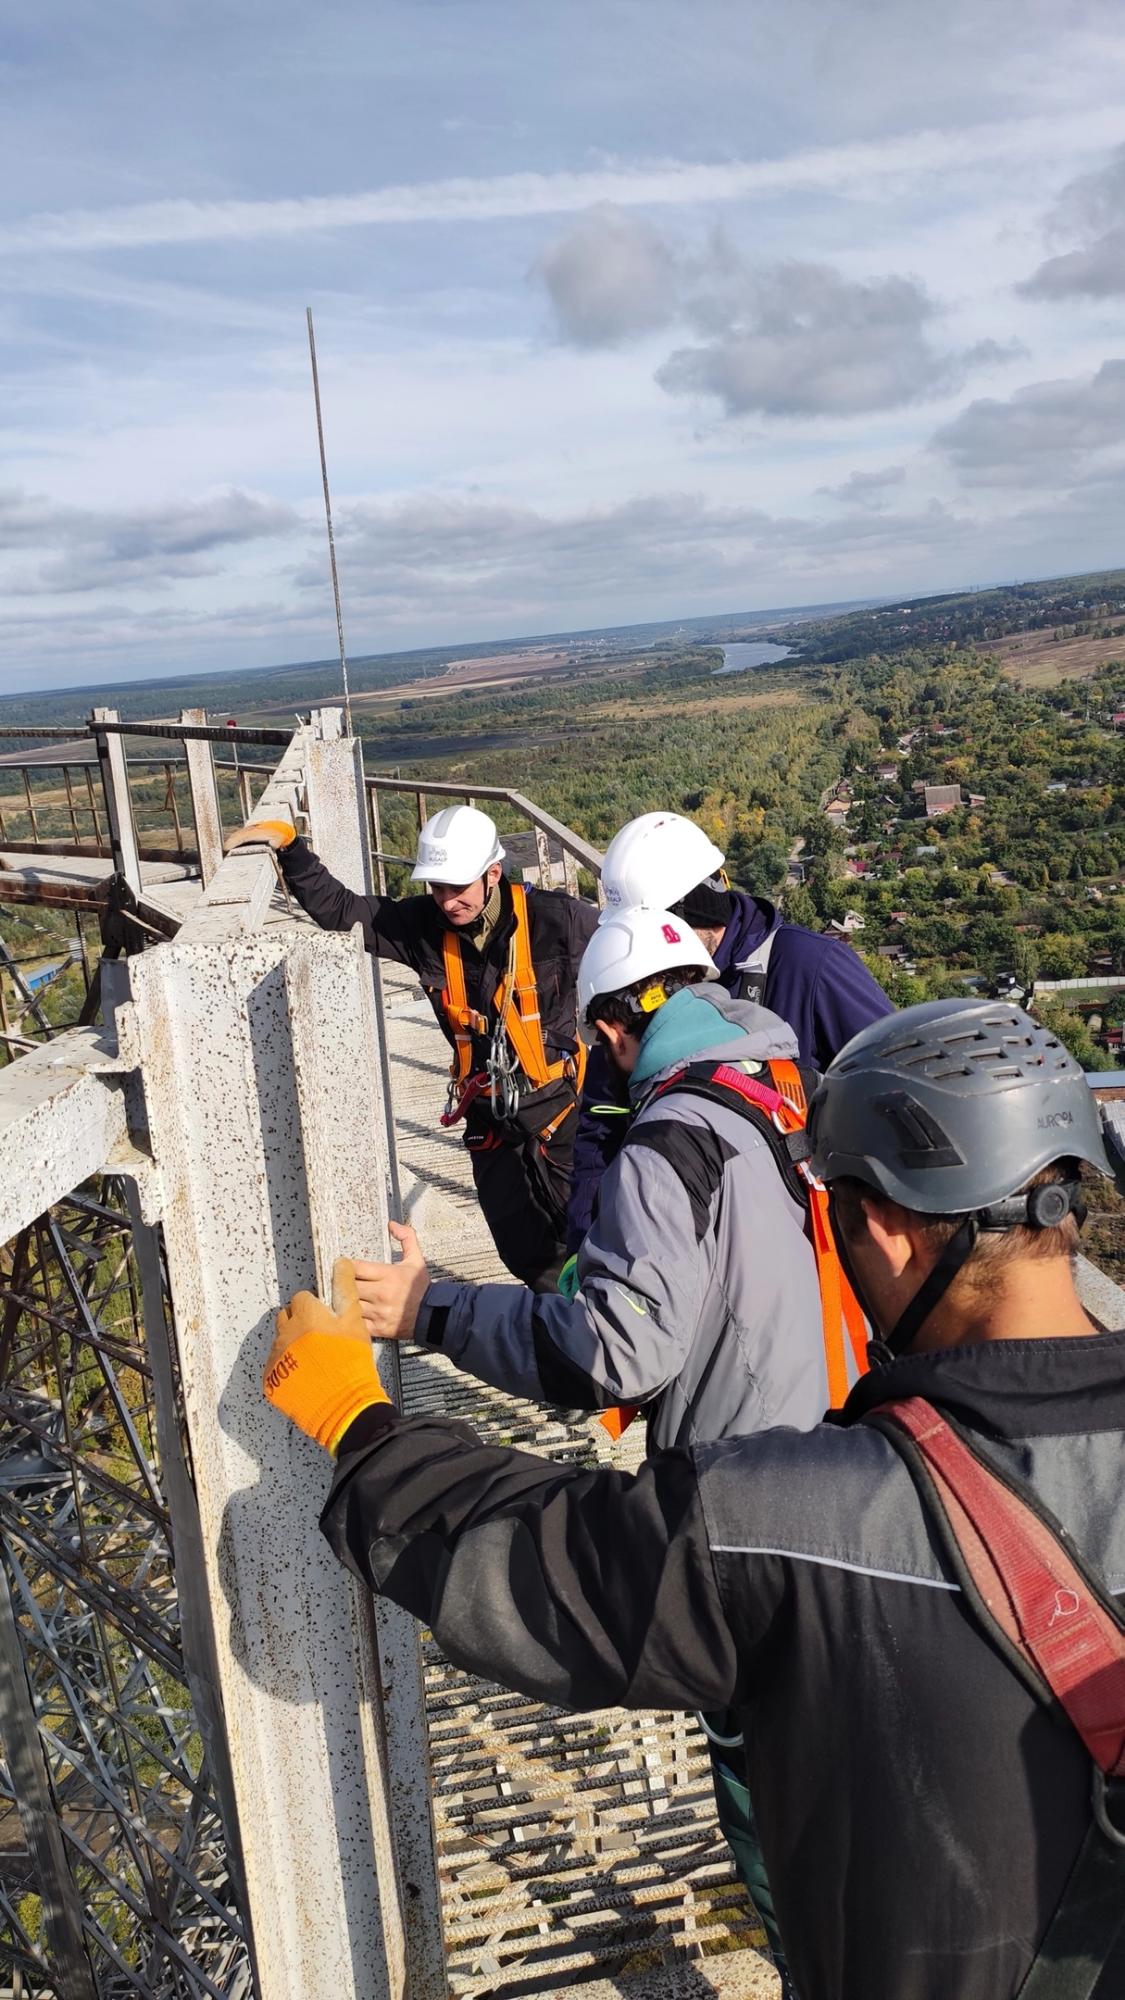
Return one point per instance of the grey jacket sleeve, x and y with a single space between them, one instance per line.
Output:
643 1272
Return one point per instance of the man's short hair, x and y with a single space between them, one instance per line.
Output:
621 1009
993 1248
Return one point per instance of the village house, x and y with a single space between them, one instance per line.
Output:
941 799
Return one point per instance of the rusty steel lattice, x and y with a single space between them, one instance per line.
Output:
95 1681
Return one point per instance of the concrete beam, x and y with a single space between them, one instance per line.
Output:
62 1115
118 802
239 894
204 797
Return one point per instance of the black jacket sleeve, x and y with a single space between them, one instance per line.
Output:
584 922
603 1120
335 908
588 1589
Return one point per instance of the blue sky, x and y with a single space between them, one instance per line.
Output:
624 311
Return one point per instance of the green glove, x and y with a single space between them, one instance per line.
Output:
567 1282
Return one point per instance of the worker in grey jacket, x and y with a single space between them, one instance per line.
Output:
697 1293
697 1289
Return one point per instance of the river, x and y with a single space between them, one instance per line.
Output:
747 653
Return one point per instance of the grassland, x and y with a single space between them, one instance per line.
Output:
1039 660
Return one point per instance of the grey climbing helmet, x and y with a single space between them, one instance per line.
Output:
952 1106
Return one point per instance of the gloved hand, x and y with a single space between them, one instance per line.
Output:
390 1294
321 1372
275 833
567 1280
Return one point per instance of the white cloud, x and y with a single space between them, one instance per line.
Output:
784 339
867 489
1045 436
1091 208
89 549
610 277
858 166
804 341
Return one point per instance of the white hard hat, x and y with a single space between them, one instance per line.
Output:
654 861
456 845
631 945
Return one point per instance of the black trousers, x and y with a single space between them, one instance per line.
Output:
523 1189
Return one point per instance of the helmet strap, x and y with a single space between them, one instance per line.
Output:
953 1258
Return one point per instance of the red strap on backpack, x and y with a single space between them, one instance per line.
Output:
1043 1604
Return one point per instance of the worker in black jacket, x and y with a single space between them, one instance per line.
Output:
499 966
922 1801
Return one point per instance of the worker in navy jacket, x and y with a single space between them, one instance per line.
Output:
924 1802
817 984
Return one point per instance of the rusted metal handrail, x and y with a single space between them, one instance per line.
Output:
576 852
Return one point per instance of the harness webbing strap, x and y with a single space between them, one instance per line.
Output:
1044 1605
778 1108
462 1018
840 1310
782 1103
516 1002
1049 1619
1085 1933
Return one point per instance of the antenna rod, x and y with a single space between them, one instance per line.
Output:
328 518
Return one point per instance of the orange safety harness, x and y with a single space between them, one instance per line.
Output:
517 1024
773 1096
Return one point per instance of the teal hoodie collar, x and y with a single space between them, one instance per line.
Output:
685 1026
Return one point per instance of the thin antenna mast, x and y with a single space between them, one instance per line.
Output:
328 518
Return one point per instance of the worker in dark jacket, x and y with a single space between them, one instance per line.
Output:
498 964
817 984
923 1800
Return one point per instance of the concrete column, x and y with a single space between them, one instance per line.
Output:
339 831
204 797
118 804
260 1062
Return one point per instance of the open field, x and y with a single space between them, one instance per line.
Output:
493 672
1037 659
728 703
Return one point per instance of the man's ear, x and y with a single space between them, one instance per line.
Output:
889 1228
614 1033
492 876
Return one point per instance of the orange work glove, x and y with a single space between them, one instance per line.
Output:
321 1372
275 833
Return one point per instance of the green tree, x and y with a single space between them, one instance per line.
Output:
799 907
1074 1035
1062 956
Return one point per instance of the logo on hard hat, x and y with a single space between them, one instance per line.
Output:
438 854
670 934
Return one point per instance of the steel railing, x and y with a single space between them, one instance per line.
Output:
574 852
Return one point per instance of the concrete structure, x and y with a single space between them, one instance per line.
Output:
223 1765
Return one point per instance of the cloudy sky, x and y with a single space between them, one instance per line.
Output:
625 310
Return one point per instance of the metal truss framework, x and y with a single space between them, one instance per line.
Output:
92 1659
